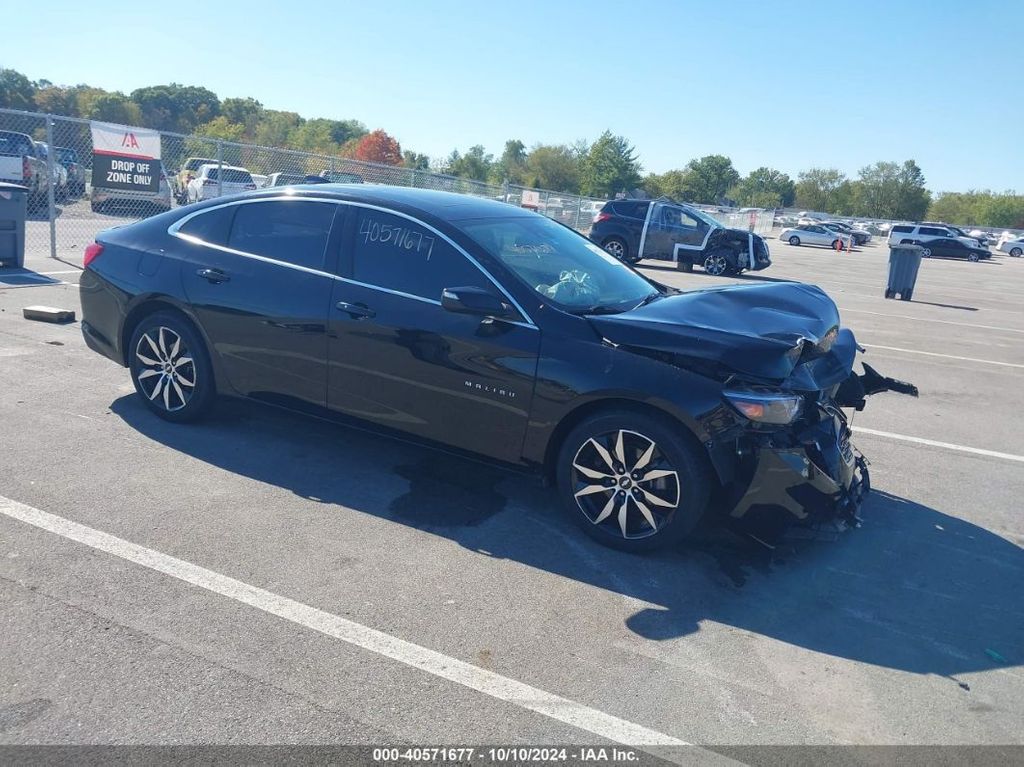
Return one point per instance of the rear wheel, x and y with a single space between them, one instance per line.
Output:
794 240
973 257
617 247
170 367
631 481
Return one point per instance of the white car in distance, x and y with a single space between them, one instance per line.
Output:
217 181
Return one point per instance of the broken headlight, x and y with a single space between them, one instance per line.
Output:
765 406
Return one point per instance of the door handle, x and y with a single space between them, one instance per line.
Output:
213 275
358 311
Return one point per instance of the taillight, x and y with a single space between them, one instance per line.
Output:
250 186
601 217
92 252
26 169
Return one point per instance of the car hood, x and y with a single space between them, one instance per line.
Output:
749 329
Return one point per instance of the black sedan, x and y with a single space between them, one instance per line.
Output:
498 332
949 247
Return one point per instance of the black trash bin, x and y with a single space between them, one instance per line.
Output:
13 209
904 262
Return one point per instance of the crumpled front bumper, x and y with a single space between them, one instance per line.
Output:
810 478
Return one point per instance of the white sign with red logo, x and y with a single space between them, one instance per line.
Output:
125 158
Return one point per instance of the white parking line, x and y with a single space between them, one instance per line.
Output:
868 345
927 319
487 682
69 271
945 445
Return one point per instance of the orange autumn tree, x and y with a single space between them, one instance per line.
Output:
378 147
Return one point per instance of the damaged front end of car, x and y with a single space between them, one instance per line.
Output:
780 440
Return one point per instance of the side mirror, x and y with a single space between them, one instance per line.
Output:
475 301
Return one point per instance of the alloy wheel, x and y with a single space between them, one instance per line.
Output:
624 482
1016 252
715 264
794 241
615 248
167 372
926 252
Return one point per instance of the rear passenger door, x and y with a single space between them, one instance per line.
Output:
257 280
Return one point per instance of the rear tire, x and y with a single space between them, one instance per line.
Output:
973 257
605 481
618 248
171 368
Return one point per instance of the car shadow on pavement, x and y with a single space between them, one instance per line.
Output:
17 277
914 589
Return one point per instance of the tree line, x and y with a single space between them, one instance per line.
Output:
607 166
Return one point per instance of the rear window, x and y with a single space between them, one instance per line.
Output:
15 144
903 229
287 178
197 163
230 176
630 209
67 155
211 227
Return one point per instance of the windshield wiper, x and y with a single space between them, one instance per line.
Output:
648 299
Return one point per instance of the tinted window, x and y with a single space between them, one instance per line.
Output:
16 144
211 227
294 231
933 232
395 253
194 164
631 209
903 229
230 175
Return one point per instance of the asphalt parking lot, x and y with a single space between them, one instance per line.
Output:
909 630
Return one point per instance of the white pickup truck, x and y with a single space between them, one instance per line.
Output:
20 163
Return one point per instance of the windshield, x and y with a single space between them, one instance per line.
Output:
559 264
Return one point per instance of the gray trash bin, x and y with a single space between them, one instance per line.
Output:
13 209
904 262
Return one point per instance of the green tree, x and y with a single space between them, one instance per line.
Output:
16 90
176 107
817 188
243 111
764 188
511 166
415 160
707 179
610 166
56 101
475 164
553 167
221 127
114 108
890 190
276 127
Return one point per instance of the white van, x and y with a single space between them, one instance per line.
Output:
912 234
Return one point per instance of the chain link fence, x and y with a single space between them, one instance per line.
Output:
66 211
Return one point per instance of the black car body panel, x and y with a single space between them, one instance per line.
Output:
320 337
948 247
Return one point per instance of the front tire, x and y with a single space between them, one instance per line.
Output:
1016 252
631 481
716 264
794 241
170 368
974 257
926 253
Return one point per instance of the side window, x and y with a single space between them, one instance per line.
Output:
903 229
397 254
293 231
933 232
688 220
211 227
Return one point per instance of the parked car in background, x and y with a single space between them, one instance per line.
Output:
919 234
1014 246
632 230
103 200
20 164
499 333
954 247
189 170
217 181
956 231
860 236
813 234
59 178
284 179
260 180
76 171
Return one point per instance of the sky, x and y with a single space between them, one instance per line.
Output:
789 85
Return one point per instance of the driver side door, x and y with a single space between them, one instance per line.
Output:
670 230
398 359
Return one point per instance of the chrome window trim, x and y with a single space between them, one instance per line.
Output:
174 228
